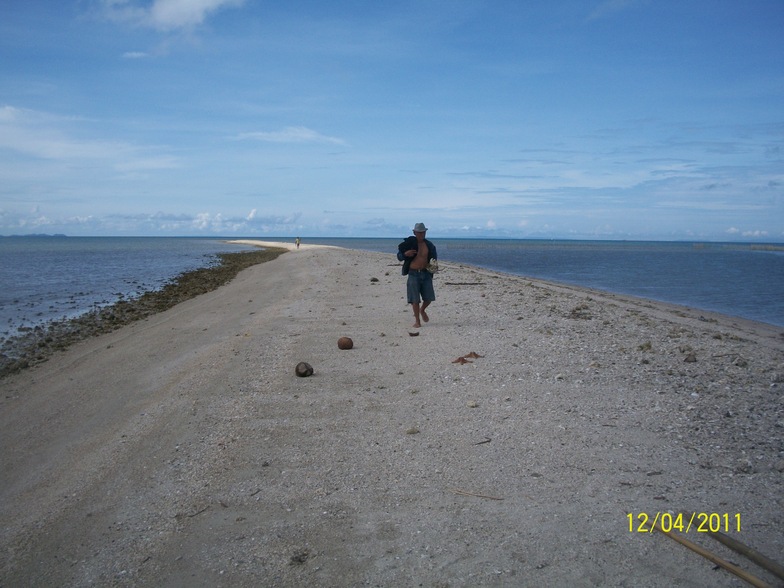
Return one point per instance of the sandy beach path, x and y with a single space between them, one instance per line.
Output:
182 450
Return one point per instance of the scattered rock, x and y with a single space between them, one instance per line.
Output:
581 312
691 358
303 369
412 431
299 557
464 358
345 343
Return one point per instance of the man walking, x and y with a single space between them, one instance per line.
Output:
416 253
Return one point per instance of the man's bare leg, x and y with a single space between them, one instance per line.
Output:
415 306
422 312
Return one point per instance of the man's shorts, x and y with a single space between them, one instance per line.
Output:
420 282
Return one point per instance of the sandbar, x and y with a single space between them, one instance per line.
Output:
182 449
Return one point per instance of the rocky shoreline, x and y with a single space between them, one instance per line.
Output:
39 343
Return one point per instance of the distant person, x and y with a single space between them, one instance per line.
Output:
417 253
296 241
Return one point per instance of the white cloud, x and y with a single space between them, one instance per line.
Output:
45 136
175 14
291 135
52 144
9 113
166 15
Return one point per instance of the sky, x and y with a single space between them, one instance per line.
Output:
565 119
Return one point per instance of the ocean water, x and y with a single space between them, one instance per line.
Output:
50 278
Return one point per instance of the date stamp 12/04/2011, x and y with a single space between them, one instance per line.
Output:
696 522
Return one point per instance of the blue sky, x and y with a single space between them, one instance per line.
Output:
597 119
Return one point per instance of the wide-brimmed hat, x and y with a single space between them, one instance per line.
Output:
420 228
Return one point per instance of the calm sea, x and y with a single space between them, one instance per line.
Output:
48 278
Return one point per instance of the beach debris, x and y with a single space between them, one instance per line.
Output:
691 358
485 440
412 431
464 283
465 358
303 369
712 557
374 279
299 557
758 558
190 515
472 404
467 493
345 343
413 333
583 312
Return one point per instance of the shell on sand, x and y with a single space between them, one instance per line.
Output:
345 343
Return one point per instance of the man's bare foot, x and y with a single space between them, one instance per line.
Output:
424 316
417 325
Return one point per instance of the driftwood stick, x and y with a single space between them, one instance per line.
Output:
754 555
198 512
732 568
466 493
758 558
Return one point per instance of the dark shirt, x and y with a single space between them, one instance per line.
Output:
412 243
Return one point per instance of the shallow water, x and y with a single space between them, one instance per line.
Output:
50 278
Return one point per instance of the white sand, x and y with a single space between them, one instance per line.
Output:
183 451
